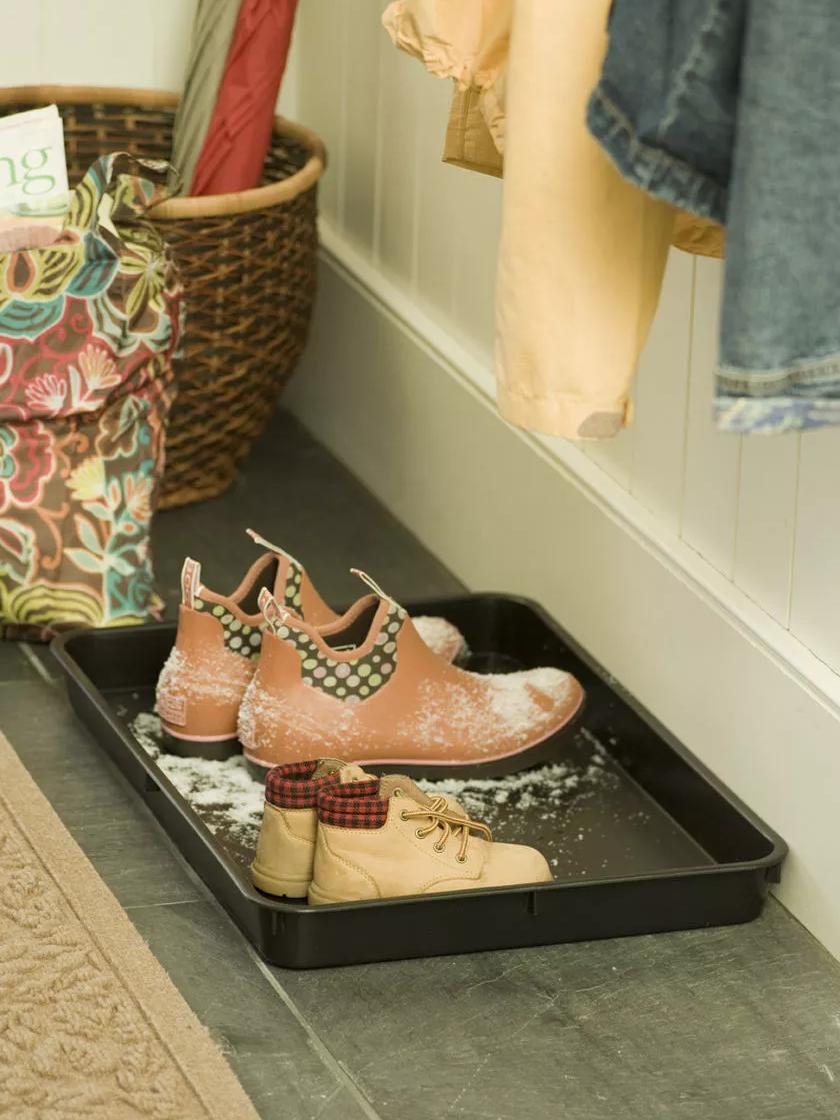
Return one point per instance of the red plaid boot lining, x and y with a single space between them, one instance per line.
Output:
353 805
293 787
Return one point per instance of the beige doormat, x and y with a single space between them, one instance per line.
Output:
91 1027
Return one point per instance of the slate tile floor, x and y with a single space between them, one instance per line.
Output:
732 1024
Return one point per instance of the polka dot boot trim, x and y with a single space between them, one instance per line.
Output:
353 680
239 636
291 592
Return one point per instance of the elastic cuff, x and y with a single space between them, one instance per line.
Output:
563 415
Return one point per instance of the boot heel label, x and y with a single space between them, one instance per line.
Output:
173 710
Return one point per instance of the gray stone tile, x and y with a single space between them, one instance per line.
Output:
282 1086
270 1050
736 1023
13 664
39 713
135 861
294 492
101 810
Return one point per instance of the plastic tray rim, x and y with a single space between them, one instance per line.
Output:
769 863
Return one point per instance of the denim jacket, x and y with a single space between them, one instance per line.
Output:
731 109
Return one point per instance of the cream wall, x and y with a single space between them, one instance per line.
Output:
702 569
97 42
103 43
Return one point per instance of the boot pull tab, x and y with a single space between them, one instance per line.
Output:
257 539
275 615
372 584
190 581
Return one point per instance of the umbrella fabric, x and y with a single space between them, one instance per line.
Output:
213 28
240 129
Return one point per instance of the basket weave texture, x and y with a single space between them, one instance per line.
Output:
248 264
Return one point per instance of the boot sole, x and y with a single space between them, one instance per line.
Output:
316 898
214 750
278 888
545 751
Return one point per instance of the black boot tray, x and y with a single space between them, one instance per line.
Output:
641 838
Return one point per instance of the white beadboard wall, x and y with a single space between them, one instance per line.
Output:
701 568
762 512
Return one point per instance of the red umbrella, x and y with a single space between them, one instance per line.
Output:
239 135
212 35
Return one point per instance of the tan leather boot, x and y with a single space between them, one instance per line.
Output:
286 844
368 688
375 847
218 643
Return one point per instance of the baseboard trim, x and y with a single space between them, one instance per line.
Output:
406 399
475 376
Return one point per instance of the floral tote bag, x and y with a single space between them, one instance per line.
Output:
88 326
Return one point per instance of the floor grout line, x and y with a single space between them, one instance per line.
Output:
152 905
341 1075
317 1043
36 663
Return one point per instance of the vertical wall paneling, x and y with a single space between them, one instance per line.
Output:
477 200
710 493
437 191
815 598
361 106
661 395
766 521
615 456
396 165
320 43
288 104
341 18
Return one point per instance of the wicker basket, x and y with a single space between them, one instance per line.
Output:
248 265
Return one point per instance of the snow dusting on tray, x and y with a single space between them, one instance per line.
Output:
533 806
223 794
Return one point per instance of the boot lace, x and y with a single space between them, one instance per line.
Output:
440 816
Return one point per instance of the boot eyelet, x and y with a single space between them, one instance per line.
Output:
404 815
420 834
461 859
398 792
438 847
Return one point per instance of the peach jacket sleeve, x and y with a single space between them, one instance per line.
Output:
582 251
466 40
